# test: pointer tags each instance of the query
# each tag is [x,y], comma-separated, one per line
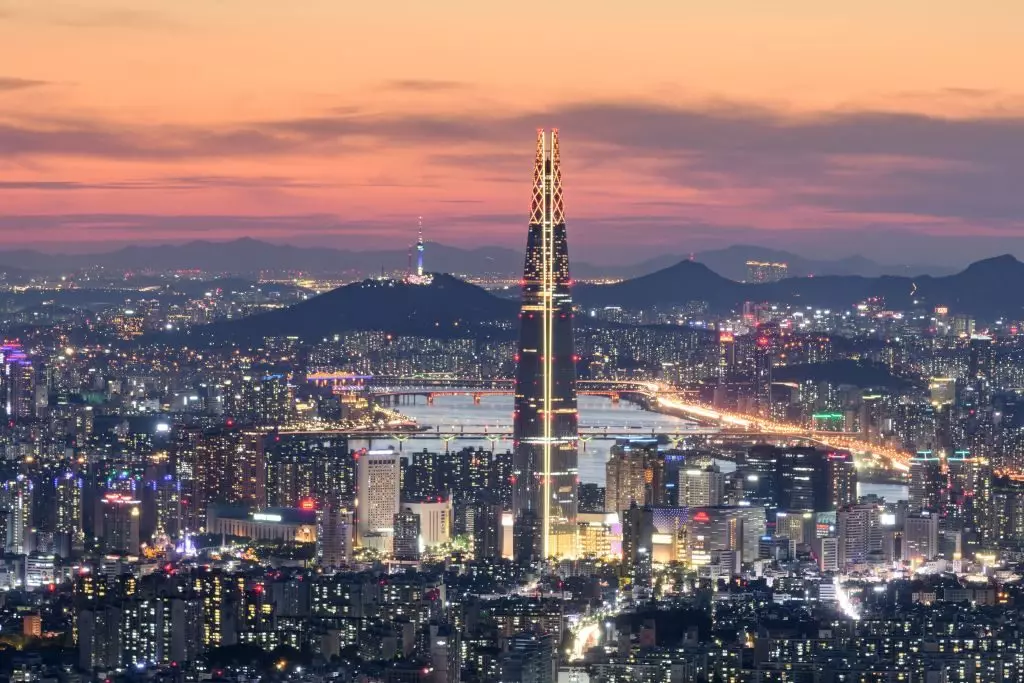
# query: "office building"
[379,494]
[701,487]
[724,529]
[920,538]
[530,658]
[408,541]
[435,517]
[591,498]
[545,421]
[289,525]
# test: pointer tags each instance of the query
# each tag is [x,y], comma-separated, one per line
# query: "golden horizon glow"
[340,123]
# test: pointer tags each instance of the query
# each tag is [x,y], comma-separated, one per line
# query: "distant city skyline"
[816,125]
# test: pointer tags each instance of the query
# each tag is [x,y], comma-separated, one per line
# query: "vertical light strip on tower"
[546,359]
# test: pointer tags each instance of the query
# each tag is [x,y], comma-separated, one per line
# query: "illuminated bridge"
[432,385]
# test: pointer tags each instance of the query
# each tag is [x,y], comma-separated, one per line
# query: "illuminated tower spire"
[545,420]
[419,251]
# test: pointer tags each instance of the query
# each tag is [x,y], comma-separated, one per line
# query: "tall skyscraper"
[17,382]
[545,420]
[16,499]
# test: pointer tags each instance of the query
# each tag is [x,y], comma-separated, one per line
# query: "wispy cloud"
[838,163]
[63,13]
[11,83]
[425,85]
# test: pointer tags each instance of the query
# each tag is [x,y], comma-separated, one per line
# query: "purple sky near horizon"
[823,126]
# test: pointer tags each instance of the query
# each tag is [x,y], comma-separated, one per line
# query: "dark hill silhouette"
[448,307]
[987,289]
[864,375]
[685,281]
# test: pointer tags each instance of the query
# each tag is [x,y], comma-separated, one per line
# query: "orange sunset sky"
[337,122]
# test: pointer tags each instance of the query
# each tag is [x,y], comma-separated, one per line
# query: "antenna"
[419,250]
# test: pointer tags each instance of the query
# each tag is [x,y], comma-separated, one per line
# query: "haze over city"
[564,342]
[828,129]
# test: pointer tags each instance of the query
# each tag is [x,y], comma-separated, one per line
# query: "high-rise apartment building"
[859,530]
[120,524]
[701,487]
[17,382]
[638,544]
[16,498]
[926,482]
[545,418]
[624,479]
[308,466]
[333,536]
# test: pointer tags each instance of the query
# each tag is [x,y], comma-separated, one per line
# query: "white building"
[859,528]
[700,488]
[435,520]
[378,494]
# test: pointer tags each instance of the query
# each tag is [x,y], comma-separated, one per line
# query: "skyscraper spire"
[557,206]
[545,419]
[537,204]
[419,250]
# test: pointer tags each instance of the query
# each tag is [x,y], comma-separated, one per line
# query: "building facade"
[545,419]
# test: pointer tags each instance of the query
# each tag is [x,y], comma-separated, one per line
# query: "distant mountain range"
[731,263]
[987,289]
[450,307]
[249,257]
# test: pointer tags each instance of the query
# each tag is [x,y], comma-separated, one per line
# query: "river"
[449,412]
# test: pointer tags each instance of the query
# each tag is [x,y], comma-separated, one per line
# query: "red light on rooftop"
[701,517]
[307,504]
